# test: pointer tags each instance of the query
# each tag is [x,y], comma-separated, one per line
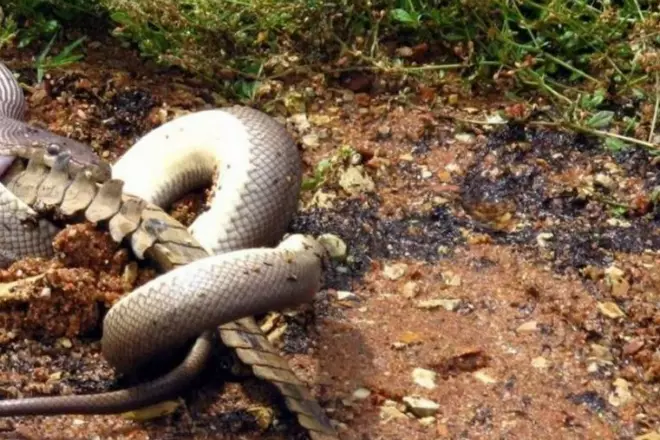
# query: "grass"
[583,56]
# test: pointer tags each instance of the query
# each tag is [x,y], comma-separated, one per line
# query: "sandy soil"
[490,271]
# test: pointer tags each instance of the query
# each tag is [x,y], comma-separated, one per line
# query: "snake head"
[80,158]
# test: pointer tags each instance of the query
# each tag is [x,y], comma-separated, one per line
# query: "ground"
[489,269]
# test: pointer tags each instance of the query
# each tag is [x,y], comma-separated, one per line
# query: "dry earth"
[491,272]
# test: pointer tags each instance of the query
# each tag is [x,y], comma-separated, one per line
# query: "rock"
[481,376]
[361,394]
[355,181]
[605,181]
[424,378]
[404,52]
[410,289]
[633,346]
[427,421]
[447,304]
[323,199]
[451,279]
[543,238]
[394,271]
[64,342]
[467,138]
[621,394]
[420,406]
[426,174]
[528,327]
[601,353]
[384,131]
[310,141]
[540,362]
[300,122]
[610,309]
[334,245]
[390,411]
[343,295]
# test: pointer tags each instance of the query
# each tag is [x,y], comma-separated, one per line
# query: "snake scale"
[235,261]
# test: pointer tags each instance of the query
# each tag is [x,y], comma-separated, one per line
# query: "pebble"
[394,271]
[300,121]
[335,246]
[420,406]
[355,181]
[610,310]
[605,181]
[633,346]
[540,362]
[621,393]
[483,377]
[361,394]
[528,327]
[447,304]
[465,137]
[451,279]
[310,141]
[427,421]
[64,342]
[424,378]
[346,295]
[410,289]
[390,411]
[384,131]
[323,199]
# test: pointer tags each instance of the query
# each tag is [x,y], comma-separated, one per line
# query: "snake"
[236,260]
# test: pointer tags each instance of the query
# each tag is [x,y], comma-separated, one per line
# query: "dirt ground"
[507,275]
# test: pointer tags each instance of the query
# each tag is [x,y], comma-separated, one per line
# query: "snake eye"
[53,149]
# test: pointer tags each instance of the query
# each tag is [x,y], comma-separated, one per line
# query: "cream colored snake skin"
[216,274]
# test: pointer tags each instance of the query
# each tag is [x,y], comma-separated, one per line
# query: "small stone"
[343,295]
[335,246]
[528,327]
[633,346]
[420,406]
[77,422]
[443,250]
[395,271]
[605,181]
[601,353]
[427,421]
[540,362]
[481,376]
[64,342]
[389,411]
[447,304]
[467,138]
[300,121]
[621,393]
[610,309]
[384,131]
[404,52]
[426,174]
[355,181]
[323,199]
[424,378]
[310,141]
[543,238]
[407,157]
[361,394]
[451,279]
[410,289]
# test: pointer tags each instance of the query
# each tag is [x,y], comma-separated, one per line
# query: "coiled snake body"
[255,198]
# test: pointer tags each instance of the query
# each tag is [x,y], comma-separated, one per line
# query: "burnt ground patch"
[373,236]
[514,191]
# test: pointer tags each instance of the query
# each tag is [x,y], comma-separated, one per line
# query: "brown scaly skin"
[53,193]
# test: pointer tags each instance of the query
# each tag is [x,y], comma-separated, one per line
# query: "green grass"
[582,55]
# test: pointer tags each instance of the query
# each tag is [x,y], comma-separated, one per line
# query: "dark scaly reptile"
[256,197]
